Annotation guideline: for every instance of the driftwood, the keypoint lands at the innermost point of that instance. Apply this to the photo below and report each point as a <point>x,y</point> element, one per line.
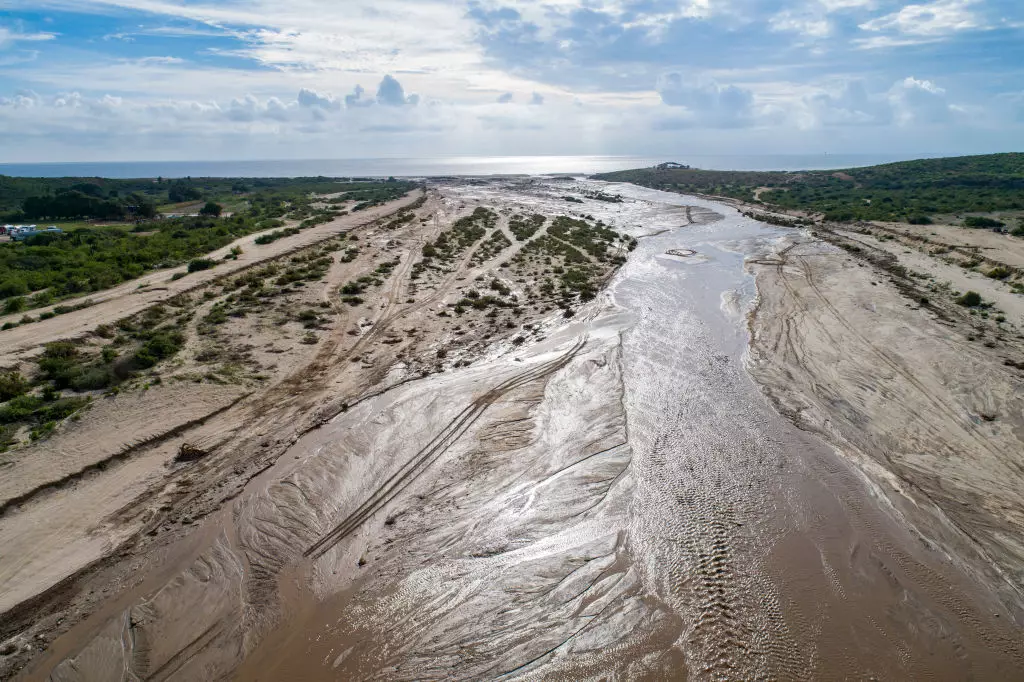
<point>190,453</point>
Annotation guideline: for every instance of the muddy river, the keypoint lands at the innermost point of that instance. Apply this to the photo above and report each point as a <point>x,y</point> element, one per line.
<point>618,500</point>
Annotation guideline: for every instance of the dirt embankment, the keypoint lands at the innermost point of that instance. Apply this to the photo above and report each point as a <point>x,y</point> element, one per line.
<point>925,394</point>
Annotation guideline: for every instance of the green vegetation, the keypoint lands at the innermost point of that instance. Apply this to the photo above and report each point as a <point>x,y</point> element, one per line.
<point>38,403</point>
<point>972,299</point>
<point>576,255</point>
<point>982,222</point>
<point>524,227</point>
<point>87,259</point>
<point>211,209</point>
<point>897,191</point>
<point>491,247</point>
<point>461,235</point>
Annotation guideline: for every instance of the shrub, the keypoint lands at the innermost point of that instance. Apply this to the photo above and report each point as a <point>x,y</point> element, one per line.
<point>160,346</point>
<point>1000,272</point>
<point>14,305</point>
<point>211,209</point>
<point>971,299</point>
<point>982,222</point>
<point>12,384</point>
<point>201,264</point>
<point>919,220</point>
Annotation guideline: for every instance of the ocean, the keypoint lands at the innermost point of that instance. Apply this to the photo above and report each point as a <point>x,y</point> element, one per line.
<point>433,167</point>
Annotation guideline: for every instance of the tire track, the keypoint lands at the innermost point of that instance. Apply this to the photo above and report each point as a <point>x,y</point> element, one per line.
<point>422,460</point>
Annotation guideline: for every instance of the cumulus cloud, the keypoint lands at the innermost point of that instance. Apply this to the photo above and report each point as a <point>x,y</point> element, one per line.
<point>505,98</point>
<point>390,93</point>
<point>706,102</point>
<point>536,99</point>
<point>919,101</point>
<point>850,104</point>
<point>311,99</point>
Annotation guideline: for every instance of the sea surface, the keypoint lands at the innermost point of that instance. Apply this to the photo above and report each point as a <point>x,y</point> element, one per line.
<point>437,166</point>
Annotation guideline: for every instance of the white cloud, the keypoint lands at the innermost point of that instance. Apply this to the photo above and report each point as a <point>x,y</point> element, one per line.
<point>706,102</point>
<point>811,25</point>
<point>9,37</point>
<point>919,102</point>
<point>938,18</point>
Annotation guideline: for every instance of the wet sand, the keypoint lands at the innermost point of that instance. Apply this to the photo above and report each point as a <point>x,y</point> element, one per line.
<point>619,499</point>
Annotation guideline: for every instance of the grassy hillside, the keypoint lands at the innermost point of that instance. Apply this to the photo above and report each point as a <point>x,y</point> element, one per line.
<point>905,191</point>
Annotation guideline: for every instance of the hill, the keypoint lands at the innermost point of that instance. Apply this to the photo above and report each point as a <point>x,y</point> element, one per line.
<point>906,191</point>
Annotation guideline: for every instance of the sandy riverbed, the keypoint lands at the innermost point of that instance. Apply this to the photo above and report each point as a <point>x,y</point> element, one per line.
<point>616,495</point>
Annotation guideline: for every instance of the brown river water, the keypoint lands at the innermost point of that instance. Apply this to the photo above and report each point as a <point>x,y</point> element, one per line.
<point>619,501</point>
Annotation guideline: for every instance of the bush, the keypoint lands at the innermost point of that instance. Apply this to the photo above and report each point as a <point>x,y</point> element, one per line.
<point>919,220</point>
<point>12,384</point>
<point>1000,272</point>
<point>971,299</point>
<point>20,409</point>
<point>201,264</point>
<point>982,222</point>
<point>211,209</point>
<point>160,346</point>
<point>14,305</point>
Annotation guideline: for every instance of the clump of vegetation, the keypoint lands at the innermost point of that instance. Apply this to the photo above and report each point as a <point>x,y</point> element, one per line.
<point>464,233</point>
<point>491,247</point>
<point>971,299</point>
<point>524,227</point>
<point>12,384</point>
<point>782,221</point>
<point>198,264</point>
<point>598,195</point>
<point>981,222</point>
<point>999,272</point>
<point>212,209</point>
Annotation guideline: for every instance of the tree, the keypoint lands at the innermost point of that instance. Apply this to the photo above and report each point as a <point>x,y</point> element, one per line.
<point>211,209</point>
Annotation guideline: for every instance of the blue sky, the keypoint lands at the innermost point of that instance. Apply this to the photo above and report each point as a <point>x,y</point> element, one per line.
<point>254,79</point>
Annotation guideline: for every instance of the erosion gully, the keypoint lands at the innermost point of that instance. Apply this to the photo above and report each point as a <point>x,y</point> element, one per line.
<point>618,500</point>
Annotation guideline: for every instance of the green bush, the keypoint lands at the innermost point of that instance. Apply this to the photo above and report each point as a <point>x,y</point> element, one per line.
<point>198,264</point>
<point>1000,272</point>
<point>982,222</point>
<point>211,209</point>
<point>12,384</point>
<point>971,299</point>
<point>160,346</point>
<point>14,305</point>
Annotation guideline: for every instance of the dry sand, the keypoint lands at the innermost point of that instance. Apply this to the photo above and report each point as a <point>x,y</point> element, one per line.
<point>915,396</point>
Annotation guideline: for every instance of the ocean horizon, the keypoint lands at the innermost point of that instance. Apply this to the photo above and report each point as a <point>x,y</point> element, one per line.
<point>440,166</point>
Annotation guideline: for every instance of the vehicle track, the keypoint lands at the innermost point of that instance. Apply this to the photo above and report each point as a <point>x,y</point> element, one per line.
<point>422,460</point>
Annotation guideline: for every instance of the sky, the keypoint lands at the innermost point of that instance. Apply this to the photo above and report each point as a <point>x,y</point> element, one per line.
<point>128,80</point>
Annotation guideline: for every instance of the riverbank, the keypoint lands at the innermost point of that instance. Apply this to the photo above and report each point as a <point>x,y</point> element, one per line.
<point>924,396</point>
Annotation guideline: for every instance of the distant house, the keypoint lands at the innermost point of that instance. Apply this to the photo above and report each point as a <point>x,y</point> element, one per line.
<point>672,165</point>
